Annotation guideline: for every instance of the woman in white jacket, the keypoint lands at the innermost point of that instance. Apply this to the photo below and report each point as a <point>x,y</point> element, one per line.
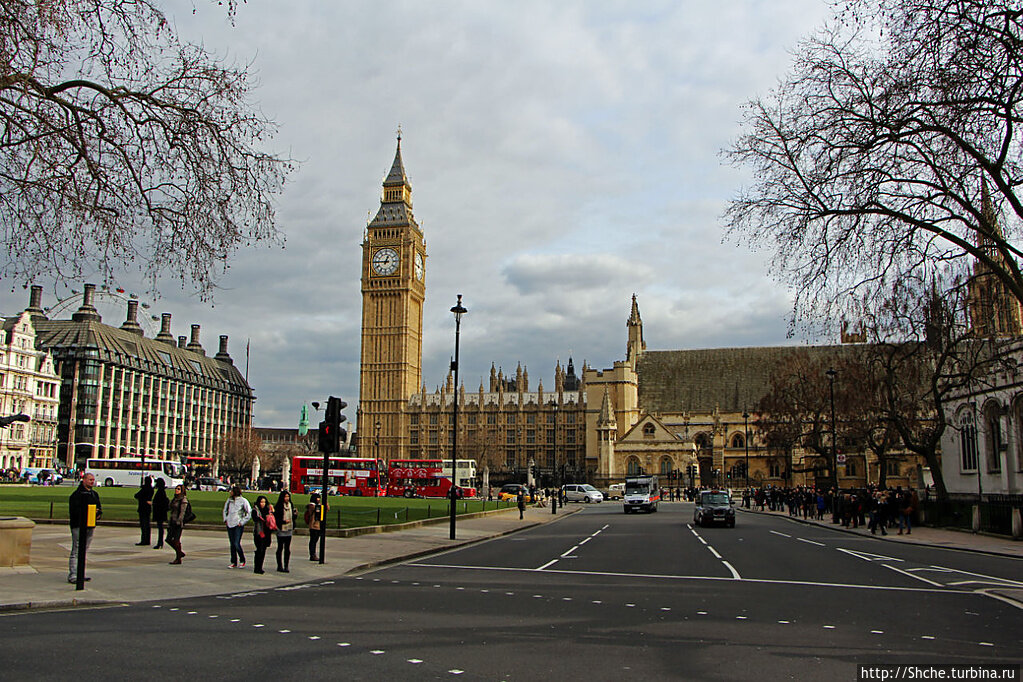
<point>237,512</point>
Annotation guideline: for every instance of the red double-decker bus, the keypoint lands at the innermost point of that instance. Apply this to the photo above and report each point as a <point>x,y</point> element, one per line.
<point>422,478</point>
<point>346,476</point>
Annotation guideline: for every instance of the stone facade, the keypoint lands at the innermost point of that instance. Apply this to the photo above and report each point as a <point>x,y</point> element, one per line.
<point>29,384</point>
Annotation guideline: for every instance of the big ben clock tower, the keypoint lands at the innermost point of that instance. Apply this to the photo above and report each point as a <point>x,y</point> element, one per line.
<point>393,290</point>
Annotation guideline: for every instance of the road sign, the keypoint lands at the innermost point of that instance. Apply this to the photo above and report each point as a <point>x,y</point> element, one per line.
<point>841,459</point>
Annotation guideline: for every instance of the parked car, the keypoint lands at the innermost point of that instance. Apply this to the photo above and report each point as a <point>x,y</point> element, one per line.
<point>582,492</point>
<point>616,491</point>
<point>210,483</point>
<point>41,476</point>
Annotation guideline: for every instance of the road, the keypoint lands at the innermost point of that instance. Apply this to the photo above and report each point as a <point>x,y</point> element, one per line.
<point>599,595</point>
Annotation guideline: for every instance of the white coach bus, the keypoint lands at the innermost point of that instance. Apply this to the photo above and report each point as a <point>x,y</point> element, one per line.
<point>131,471</point>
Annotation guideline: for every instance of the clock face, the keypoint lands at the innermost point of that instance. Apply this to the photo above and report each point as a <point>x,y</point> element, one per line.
<point>419,266</point>
<point>385,261</point>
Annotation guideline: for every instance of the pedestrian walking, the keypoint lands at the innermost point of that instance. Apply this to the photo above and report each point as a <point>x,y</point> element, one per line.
<point>236,514</point>
<point>263,524</point>
<point>180,514</point>
<point>78,503</point>
<point>907,505</point>
<point>286,515</point>
<point>312,519</point>
<point>145,510</point>
<point>160,507</point>
<point>521,499</point>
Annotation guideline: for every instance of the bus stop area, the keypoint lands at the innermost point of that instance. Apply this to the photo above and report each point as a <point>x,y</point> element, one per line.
<point>122,572</point>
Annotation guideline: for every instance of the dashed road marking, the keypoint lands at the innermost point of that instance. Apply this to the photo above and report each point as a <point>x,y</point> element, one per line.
<point>377,652</point>
<point>415,661</point>
<point>812,542</point>
<point>784,535</point>
<point>314,637</point>
<point>714,552</point>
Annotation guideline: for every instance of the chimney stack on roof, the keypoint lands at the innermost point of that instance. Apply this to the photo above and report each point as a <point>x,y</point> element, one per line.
<point>35,303</point>
<point>181,341</point>
<point>194,344</point>
<point>131,322</point>
<point>165,329</point>
<point>87,312</point>
<point>222,354</point>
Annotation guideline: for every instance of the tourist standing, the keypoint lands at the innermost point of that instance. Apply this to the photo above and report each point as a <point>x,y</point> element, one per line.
<point>78,502</point>
<point>180,508</point>
<point>145,510</point>
<point>262,530</point>
<point>312,519</point>
<point>286,515</point>
<point>160,507</point>
<point>236,514</point>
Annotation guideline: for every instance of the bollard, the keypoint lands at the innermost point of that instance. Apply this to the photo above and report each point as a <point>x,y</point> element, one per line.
<point>339,515</point>
<point>51,510</point>
<point>378,516</point>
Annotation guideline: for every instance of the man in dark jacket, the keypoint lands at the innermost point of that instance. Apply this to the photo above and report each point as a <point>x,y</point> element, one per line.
<point>78,503</point>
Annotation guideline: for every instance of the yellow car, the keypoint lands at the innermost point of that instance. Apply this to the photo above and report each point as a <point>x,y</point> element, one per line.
<point>510,491</point>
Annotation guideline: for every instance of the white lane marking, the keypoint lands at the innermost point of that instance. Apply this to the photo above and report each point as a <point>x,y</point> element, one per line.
<point>665,608</point>
<point>735,573</point>
<point>1001,581</point>
<point>867,556</point>
<point>414,661</point>
<point>661,576</point>
<point>549,563</point>
<point>258,625</point>
<point>829,627</point>
<point>484,590</point>
<point>213,616</point>
<point>926,637</point>
<point>877,632</point>
<point>174,609</point>
<point>783,622</point>
<point>570,551</point>
<point>605,526</point>
<point>597,601</point>
<point>510,594</point>
<point>812,542</point>
<point>630,605</point>
<point>714,552</point>
<point>314,637</point>
<point>235,620</point>
<point>913,575</point>
<point>985,643</point>
<point>566,599</point>
<point>284,632</point>
<point>784,535</point>
<point>342,644</point>
<point>377,652</point>
<point>157,606</point>
<point>701,539</point>
<point>585,541</point>
<point>701,613</point>
<point>740,618</point>
<point>456,671</point>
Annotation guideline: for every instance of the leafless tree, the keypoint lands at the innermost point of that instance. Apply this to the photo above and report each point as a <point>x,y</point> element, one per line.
<point>238,450</point>
<point>123,147</point>
<point>890,150</point>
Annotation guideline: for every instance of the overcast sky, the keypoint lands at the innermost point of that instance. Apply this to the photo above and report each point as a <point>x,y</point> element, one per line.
<point>563,156</point>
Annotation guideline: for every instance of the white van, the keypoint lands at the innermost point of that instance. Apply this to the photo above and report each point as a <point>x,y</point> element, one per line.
<point>616,491</point>
<point>641,494</point>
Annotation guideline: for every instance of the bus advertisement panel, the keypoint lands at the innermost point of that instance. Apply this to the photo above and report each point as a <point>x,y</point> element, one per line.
<point>131,471</point>
<point>356,476</point>
<point>426,478</point>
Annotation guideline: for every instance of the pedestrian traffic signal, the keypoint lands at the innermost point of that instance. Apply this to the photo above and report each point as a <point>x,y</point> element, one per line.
<point>331,434</point>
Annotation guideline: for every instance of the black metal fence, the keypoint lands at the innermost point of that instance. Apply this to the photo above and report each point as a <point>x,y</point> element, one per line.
<point>996,512</point>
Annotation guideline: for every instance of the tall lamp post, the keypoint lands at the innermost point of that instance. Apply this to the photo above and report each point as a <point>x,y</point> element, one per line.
<point>834,446</point>
<point>554,474</point>
<point>745,440</point>
<point>458,310</point>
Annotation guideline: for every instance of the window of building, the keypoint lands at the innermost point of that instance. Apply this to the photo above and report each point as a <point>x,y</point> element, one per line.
<point>530,436</point>
<point>413,437</point>
<point>774,468</point>
<point>414,419</point>
<point>666,466</point>
<point>510,437</point>
<point>648,430</point>
<point>967,442</point>
<point>509,458</point>
<point>738,441</point>
<point>850,467</point>
<point>993,442</point>
<point>891,467</point>
<point>570,418</point>
<point>433,419</point>
<point>510,419</point>
<point>471,419</point>
<point>632,466</point>
<point>491,418</point>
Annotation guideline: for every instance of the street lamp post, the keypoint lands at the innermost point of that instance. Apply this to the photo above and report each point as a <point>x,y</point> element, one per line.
<point>376,440</point>
<point>834,446</point>
<point>745,440</point>
<point>557,488</point>
<point>458,310</point>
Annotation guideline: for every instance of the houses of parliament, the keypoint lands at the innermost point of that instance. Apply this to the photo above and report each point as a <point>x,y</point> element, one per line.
<point>684,414</point>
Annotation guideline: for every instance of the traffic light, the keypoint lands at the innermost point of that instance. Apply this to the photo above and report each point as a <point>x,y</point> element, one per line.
<point>331,433</point>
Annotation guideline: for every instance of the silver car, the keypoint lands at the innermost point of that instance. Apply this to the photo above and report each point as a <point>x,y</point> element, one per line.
<point>582,492</point>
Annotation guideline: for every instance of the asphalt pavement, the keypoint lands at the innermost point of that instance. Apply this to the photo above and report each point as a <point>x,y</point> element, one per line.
<point>122,572</point>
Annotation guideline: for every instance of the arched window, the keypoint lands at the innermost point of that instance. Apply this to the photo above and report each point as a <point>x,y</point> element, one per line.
<point>993,433</point>
<point>632,467</point>
<point>774,468</point>
<point>737,441</point>
<point>666,466</point>
<point>968,442</point>
<point>648,430</point>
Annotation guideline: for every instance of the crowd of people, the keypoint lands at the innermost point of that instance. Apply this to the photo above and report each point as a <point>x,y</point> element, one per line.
<point>172,514</point>
<point>879,509</point>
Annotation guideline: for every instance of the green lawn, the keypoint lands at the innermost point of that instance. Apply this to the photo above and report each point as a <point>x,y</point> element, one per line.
<point>44,502</point>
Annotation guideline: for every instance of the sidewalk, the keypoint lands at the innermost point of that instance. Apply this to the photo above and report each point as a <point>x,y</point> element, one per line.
<point>121,572</point>
<point>923,535</point>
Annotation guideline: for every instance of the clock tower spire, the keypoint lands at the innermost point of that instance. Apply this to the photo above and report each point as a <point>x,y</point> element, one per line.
<point>393,291</point>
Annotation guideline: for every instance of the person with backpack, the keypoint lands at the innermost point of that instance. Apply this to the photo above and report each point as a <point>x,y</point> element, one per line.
<point>161,505</point>
<point>236,514</point>
<point>285,515</point>
<point>312,520</point>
